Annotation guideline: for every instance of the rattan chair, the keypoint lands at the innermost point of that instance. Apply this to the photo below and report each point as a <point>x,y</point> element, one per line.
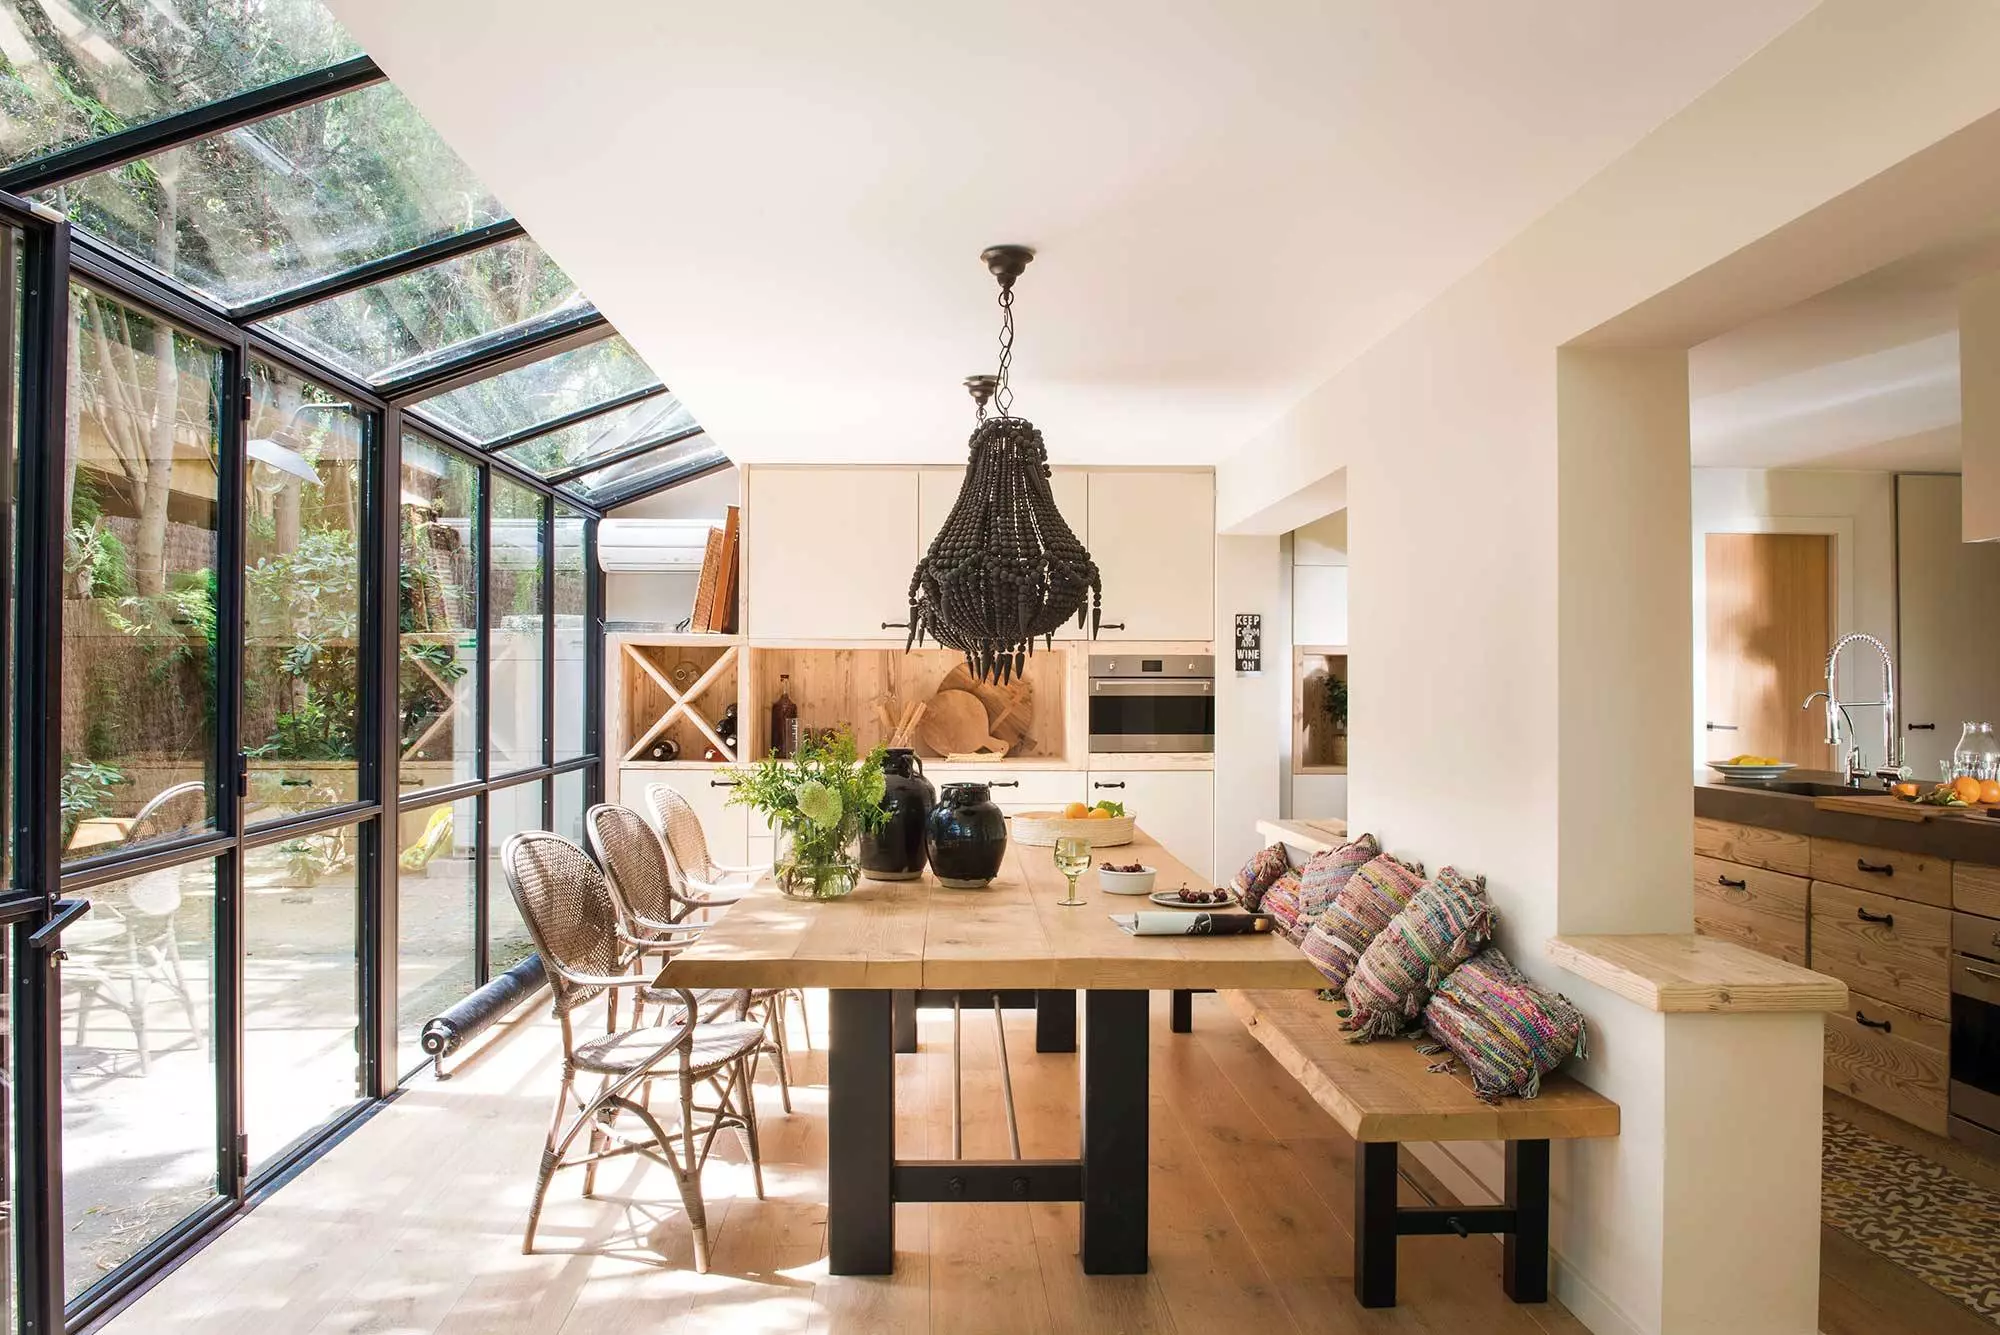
<point>569,911</point>
<point>641,878</point>
<point>703,884</point>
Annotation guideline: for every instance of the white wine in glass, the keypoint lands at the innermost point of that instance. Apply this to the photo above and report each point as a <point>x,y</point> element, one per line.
<point>1072,860</point>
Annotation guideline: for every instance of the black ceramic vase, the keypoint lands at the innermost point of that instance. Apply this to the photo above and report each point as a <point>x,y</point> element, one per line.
<point>894,850</point>
<point>966,837</point>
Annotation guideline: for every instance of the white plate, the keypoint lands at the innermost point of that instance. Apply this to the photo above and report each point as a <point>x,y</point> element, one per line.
<point>1751,771</point>
<point>1169,899</point>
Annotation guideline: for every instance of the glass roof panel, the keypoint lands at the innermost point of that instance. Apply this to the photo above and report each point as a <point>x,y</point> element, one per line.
<point>611,484</point>
<point>541,391</point>
<point>72,71</point>
<point>600,437</point>
<point>286,200</point>
<point>388,329</point>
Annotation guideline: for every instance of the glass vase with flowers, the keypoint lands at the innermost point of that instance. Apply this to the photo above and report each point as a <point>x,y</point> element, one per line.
<point>818,800</point>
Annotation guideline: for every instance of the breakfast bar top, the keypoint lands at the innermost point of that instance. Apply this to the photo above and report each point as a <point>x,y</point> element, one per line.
<point>918,934</point>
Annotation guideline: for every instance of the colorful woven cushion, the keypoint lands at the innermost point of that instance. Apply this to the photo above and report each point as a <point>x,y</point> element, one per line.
<point>1444,925</point>
<point>1281,901</point>
<point>1373,894</point>
<point>1327,873</point>
<point>1265,866</point>
<point>1508,1032</point>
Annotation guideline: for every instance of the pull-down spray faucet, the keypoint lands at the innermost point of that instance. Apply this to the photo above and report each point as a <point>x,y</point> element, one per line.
<point>1852,761</point>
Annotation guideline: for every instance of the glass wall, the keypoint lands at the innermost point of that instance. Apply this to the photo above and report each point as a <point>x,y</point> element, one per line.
<point>438,622</point>
<point>517,626</point>
<point>512,810</point>
<point>572,605</point>
<point>437,897</point>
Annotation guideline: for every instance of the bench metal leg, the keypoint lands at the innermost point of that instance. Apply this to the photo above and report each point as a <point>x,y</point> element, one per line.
<point>1183,1021</point>
<point>1055,1021</point>
<point>861,1134</point>
<point>1375,1223</point>
<point>1115,1133</point>
<point>906,1020</point>
<point>1525,1269</point>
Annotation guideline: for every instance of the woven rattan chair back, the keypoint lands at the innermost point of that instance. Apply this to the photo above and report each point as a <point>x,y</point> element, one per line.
<point>687,842</point>
<point>634,863</point>
<point>567,905</point>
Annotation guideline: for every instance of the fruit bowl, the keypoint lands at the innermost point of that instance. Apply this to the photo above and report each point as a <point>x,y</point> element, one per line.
<point>1118,881</point>
<point>1043,828</point>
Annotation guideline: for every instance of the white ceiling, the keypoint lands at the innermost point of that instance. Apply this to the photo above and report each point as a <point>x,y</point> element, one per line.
<point>781,205</point>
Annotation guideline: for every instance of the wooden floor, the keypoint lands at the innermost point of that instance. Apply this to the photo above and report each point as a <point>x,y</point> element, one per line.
<point>413,1224</point>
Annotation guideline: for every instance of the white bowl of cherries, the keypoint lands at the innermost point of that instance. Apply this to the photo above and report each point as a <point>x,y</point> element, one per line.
<point>1130,879</point>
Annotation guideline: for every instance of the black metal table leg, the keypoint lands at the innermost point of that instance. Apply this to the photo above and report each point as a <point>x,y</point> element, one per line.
<point>1055,1021</point>
<point>1375,1223</point>
<point>906,1020</point>
<point>1525,1262</point>
<point>860,1133</point>
<point>1115,1132</point>
<point>1183,1008</point>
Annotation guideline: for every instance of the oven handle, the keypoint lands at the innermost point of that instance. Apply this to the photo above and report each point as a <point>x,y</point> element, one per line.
<point>1190,686</point>
<point>1975,981</point>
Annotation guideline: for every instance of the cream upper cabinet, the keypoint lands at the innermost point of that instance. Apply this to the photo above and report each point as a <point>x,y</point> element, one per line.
<point>829,552</point>
<point>1176,807</point>
<point>937,492</point>
<point>1153,535</point>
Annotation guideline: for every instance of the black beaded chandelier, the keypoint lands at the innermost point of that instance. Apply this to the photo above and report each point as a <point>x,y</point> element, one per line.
<point>1005,570</point>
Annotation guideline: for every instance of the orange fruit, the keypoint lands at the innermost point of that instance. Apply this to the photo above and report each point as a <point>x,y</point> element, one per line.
<point>1966,787</point>
<point>1099,813</point>
<point>1904,790</point>
<point>1989,791</point>
<point>1076,811</point>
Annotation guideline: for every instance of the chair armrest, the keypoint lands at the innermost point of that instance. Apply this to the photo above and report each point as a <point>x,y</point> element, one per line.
<point>752,870</point>
<point>715,893</point>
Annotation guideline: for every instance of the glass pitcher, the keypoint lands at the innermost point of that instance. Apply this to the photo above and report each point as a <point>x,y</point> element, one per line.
<point>1989,753</point>
<point>1965,756</point>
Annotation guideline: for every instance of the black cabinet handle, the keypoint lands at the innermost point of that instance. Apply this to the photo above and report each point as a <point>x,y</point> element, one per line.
<point>1111,625</point>
<point>1733,885</point>
<point>1004,783</point>
<point>1875,868</point>
<point>1923,727</point>
<point>1721,727</point>
<point>895,625</point>
<point>1866,1023</point>
<point>1886,919</point>
<point>722,783</point>
<point>1119,784</point>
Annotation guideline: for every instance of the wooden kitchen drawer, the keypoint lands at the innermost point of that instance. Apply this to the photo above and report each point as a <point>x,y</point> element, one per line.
<point>1752,846</point>
<point>1904,960</point>
<point>1904,1070</point>
<point>1975,889</point>
<point>1886,871</point>
<point>1764,910</point>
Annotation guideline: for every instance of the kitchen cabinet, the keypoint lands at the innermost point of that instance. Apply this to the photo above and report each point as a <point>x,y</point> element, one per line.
<point>707,791</point>
<point>1885,871</point>
<point>1764,910</point>
<point>937,492</point>
<point>1176,807</point>
<point>1153,537</point>
<point>1753,845</point>
<point>829,552</point>
<point>1883,947</point>
<point>1892,1059</point>
<point>1014,790</point>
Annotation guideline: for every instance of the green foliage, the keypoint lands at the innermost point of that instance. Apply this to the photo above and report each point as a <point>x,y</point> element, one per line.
<point>85,792</point>
<point>824,796</point>
<point>95,554</point>
<point>1335,700</point>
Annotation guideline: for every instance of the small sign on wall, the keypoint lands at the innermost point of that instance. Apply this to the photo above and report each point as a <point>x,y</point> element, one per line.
<point>1249,642</point>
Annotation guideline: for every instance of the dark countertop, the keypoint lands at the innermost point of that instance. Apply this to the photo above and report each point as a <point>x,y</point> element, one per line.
<point>1958,838</point>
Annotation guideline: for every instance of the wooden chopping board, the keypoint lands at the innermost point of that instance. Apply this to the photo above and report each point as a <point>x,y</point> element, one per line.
<point>955,722</point>
<point>1884,807</point>
<point>1010,709</point>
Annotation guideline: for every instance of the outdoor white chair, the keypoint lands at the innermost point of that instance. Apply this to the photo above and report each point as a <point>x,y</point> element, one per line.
<point>567,905</point>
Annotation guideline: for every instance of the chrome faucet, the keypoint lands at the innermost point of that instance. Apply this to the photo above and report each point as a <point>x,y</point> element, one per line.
<point>1853,762</point>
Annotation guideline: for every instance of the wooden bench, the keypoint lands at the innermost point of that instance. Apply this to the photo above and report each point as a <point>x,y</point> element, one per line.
<point>1382,1094</point>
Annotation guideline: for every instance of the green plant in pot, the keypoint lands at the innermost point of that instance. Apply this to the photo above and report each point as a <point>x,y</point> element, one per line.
<point>1334,700</point>
<point>818,802</point>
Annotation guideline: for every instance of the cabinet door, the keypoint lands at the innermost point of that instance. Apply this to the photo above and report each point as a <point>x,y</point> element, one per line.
<point>937,492</point>
<point>830,552</point>
<point>707,791</point>
<point>1153,536</point>
<point>1015,790</point>
<point>1950,638</point>
<point>1175,807</point>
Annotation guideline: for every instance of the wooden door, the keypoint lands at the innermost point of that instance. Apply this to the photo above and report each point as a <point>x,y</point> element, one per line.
<point>830,552</point>
<point>1948,615</point>
<point>1153,537</point>
<point>1770,625</point>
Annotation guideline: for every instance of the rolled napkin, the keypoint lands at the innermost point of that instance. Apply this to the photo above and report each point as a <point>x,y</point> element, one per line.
<point>1173,922</point>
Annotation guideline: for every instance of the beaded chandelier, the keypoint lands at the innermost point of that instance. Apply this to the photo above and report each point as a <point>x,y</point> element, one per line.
<point>1005,570</point>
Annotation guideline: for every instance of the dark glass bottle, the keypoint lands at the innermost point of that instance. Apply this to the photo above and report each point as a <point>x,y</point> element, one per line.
<point>966,837</point>
<point>784,720</point>
<point>894,851</point>
<point>725,727</point>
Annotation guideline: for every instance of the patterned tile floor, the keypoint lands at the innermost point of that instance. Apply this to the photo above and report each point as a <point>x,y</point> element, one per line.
<point>1915,1213</point>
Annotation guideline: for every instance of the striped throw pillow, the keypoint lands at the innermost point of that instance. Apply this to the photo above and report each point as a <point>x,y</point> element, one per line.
<point>1281,901</point>
<point>1257,875</point>
<point>1508,1032</point>
<point>1372,894</point>
<point>1444,924</point>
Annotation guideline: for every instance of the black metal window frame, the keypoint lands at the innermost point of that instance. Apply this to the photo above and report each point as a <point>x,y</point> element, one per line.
<point>44,883</point>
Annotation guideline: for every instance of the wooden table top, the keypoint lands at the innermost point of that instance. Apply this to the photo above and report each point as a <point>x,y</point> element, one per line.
<point>917,934</point>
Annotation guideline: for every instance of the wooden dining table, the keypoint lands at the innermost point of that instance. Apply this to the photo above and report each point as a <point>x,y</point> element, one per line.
<point>894,942</point>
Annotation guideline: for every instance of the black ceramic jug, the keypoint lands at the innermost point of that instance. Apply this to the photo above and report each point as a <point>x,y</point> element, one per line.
<point>966,837</point>
<point>894,850</point>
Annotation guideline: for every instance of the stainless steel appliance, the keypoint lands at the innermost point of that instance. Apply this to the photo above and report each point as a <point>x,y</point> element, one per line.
<point>1151,702</point>
<point>1975,1030</point>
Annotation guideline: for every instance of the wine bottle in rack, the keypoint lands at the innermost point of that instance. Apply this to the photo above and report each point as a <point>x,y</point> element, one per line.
<point>784,720</point>
<point>664,750</point>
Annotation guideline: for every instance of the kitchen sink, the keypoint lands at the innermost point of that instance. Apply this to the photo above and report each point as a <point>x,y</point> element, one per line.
<point>1808,788</point>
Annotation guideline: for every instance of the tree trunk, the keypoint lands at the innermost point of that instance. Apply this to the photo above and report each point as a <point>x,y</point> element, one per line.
<point>149,556</point>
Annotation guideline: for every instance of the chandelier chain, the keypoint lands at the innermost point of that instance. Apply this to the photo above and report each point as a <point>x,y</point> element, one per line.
<point>1003,398</point>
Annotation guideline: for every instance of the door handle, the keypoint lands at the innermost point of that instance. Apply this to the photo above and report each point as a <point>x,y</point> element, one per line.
<point>1733,885</point>
<point>1923,727</point>
<point>1886,919</point>
<point>722,783</point>
<point>1875,868</point>
<point>895,625</point>
<point>1119,784</point>
<point>1004,783</point>
<point>1721,727</point>
<point>1111,625</point>
<point>1866,1023</point>
<point>49,935</point>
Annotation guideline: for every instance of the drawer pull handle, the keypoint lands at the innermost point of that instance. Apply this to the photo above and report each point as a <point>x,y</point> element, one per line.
<point>1886,919</point>
<point>1722,727</point>
<point>1733,885</point>
<point>1111,625</point>
<point>1004,783</point>
<point>1866,1023</point>
<point>722,783</point>
<point>895,625</point>
<point>1875,868</point>
<point>1923,727</point>
<point>1119,784</point>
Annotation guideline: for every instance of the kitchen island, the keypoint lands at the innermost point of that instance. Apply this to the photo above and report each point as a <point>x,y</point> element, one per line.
<point>1879,894</point>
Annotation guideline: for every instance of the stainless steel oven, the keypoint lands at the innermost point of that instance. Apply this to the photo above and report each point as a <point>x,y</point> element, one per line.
<point>1151,702</point>
<point>1975,1030</point>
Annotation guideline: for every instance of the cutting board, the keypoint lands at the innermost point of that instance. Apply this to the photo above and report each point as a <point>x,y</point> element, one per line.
<point>1883,807</point>
<point>1010,708</point>
<point>954,722</point>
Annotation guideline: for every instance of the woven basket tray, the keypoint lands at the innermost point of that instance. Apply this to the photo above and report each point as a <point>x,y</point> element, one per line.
<point>1043,828</point>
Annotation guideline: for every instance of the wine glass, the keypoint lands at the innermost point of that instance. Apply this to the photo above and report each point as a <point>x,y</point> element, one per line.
<point>1072,860</point>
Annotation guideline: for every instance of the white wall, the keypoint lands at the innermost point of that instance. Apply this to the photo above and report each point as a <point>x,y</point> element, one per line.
<point>658,600</point>
<point>1253,713</point>
<point>1857,509</point>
